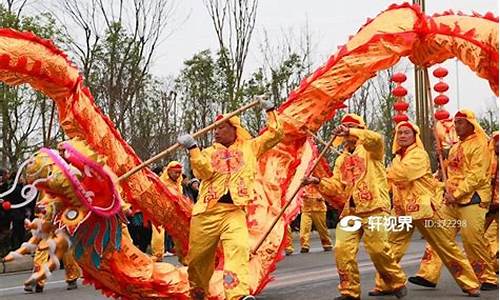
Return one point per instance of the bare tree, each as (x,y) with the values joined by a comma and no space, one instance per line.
(153,121)
(234,22)
(25,114)
(489,118)
(120,39)
(359,102)
(198,86)
(285,62)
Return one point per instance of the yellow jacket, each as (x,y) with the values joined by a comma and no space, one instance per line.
(412,184)
(468,170)
(361,176)
(312,201)
(494,182)
(174,187)
(232,169)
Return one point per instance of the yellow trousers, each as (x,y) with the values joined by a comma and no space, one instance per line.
(472,218)
(491,235)
(430,265)
(378,248)
(225,223)
(41,257)
(71,269)
(289,244)
(158,243)
(446,247)
(318,218)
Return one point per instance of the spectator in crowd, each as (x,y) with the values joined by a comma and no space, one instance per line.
(5,233)
(191,189)
(17,215)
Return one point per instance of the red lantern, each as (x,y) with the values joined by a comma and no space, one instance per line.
(441,100)
(401,105)
(399,91)
(441,115)
(441,87)
(398,77)
(440,72)
(400,118)
(6,205)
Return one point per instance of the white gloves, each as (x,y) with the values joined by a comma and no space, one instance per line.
(187,141)
(267,105)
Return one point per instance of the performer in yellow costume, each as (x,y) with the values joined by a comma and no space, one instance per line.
(227,173)
(467,198)
(172,178)
(414,191)
(42,226)
(359,173)
(313,212)
(491,225)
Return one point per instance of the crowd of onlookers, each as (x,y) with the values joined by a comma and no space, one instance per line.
(12,231)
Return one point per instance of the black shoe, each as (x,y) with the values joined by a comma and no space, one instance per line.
(327,249)
(72,285)
(489,286)
(39,288)
(421,281)
(28,288)
(304,250)
(401,292)
(346,297)
(249,297)
(472,293)
(378,293)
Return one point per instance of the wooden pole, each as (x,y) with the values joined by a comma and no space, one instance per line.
(320,140)
(283,209)
(423,102)
(196,134)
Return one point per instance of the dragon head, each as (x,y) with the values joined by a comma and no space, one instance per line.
(77,179)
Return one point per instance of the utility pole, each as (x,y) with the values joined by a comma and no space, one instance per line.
(423,97)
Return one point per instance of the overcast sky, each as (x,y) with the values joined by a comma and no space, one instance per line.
(330,23)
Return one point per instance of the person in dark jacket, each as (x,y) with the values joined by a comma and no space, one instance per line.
(17,215)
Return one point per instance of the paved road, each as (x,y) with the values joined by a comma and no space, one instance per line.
(298,277)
